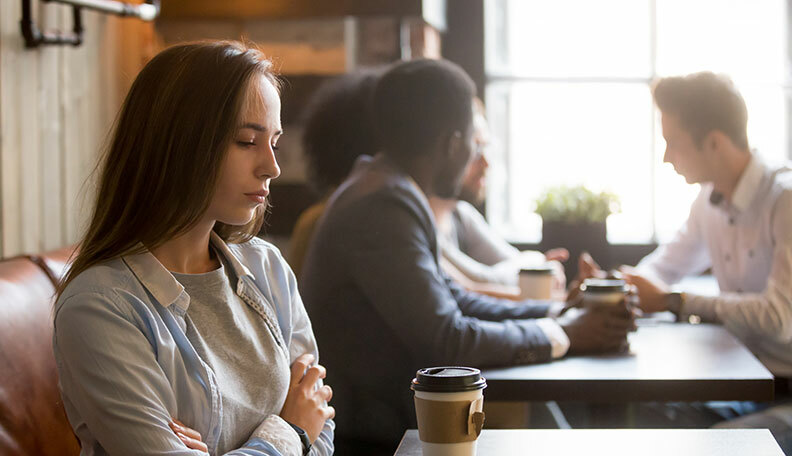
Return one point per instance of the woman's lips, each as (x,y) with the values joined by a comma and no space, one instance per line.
(258,197)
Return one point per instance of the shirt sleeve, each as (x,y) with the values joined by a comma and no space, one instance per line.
(303,341)
(559,341)
(686,254)
(480,241)
(392,263)
(475,271)
(109,373)
(767,314)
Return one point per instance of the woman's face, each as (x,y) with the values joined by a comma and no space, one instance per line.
(250,161)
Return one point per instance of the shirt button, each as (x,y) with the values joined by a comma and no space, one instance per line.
(728,257)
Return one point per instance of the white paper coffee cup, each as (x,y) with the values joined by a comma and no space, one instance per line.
(536,282)
(448,405)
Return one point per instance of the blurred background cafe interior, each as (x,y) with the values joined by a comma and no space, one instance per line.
(572,182)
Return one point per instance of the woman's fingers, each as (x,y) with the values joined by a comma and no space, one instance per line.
(192,433)
(298,368)
(325,392)
(313,375)
(192,443)
(190,437)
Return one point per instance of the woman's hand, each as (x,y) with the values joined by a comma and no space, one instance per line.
(189,437)
(305,405)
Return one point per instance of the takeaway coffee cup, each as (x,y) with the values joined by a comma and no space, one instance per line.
(536,282)
(448,405)
(603,292)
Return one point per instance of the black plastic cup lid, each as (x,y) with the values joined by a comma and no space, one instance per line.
(603,285)
(448,379)
(538,270)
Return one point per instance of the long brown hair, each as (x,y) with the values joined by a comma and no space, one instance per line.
(158,175)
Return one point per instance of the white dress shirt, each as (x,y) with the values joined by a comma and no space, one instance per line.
(476,250)
(748,244)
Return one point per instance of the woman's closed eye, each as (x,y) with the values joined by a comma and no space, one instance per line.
(251,143)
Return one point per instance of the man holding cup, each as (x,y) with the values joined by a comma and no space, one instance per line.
(380,305)
(740,226)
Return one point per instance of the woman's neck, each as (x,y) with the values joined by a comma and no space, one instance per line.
(189,253)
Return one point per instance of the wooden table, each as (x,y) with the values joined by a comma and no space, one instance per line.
(667,362)
(622,442)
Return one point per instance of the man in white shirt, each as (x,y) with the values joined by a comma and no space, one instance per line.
(740,226)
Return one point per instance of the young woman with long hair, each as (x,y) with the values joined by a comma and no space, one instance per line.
(177,331)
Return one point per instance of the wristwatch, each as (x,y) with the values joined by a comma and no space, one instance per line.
(306,442)
(675,301)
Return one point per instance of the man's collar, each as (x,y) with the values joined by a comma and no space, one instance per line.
(161,283)
(748,184)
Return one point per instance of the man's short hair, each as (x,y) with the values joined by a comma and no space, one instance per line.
(417,102)
(704,102)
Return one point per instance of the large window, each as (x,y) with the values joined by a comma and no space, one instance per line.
(569,101)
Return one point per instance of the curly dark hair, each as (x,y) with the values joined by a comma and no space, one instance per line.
(339,128)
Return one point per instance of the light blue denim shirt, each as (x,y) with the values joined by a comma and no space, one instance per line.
(127,369)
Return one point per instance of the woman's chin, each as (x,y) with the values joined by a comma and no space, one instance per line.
(238,219)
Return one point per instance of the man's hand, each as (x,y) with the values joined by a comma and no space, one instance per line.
(554,259)
(558,254)
(652,292)
(597,330)
(305,404)
(189,437)
(587,269)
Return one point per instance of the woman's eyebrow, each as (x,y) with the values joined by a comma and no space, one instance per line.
(254,126)
(259,128)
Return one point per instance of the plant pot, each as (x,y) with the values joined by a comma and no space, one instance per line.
(581,237)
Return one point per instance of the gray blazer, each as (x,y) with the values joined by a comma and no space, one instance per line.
(381,307)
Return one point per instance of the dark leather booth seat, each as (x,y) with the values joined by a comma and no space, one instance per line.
(32,419)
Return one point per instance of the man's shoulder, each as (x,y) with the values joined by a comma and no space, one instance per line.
(781,177)
(373,192)
(468,213)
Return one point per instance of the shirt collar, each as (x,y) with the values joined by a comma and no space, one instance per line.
(161,283)
(748,185)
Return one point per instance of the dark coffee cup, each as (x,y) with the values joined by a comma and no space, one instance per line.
(603,292)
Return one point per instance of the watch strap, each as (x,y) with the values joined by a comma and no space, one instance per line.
(306,442)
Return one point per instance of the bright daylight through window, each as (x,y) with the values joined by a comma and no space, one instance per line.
(569,101)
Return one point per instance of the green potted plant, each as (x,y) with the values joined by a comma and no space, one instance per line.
(574,218)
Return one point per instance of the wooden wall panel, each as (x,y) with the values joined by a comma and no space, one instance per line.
(57,104)
(50,145)
(20,150)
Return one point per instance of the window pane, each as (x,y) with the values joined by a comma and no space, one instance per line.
(672,195)
(596,134)
(569,38)
(767,122)
(745,39)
